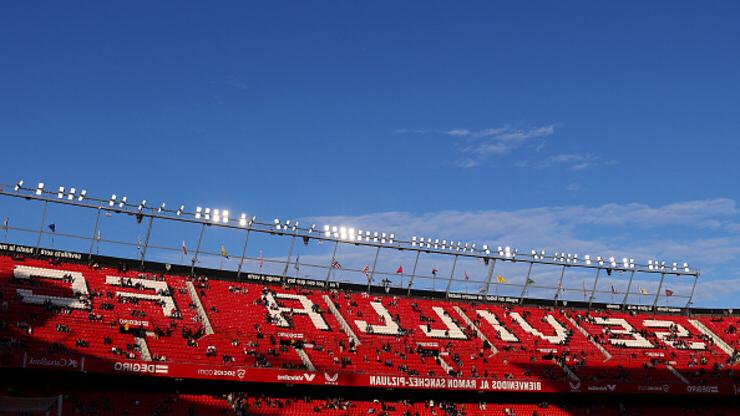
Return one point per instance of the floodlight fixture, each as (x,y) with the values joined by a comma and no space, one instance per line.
(327,231)
(243,220)
(18,185)
(486,249)
(198,212)
(180,210)
(40,188)
(225,216)
(276,221)
(112,200)
(312,228)
(71,194)
(123,202)
(142,205)
(587,259)
(60,194)
(216,215)
(161,207)
(82,195)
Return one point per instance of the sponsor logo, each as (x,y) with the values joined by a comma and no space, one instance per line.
(58,362)
(141,368)
(575,385)
(217,372)
(133,322)
(330,378)
(702,389)
(659,389)
(298,377)
(607,387)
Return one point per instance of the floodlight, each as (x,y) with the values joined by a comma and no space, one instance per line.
(413,241)
(351,233)
(82,195)
(207,213)
(216,215)
(587,259)
(391,238)
(142,204)
(312,228)
(225,216)
(112,200)
(686,267)
(40,188)
(60,194)
(243,220)
(276,221)
(161,207)
(123,202)
(327,231)
(675,266)
(71,194)
(18,185)
(180,210)
(198,212)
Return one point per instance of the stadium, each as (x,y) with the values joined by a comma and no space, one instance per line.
(84,332)
(417,208)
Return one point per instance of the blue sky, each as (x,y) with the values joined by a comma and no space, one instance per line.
(596,127)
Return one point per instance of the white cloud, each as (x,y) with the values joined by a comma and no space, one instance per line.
(699,232)
(573,161)
(482,144)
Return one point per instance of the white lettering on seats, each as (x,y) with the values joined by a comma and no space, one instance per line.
(276,311)
(680,332)
(453,331)
(560,336)
(79,299)
(502,332)
(637,341)
(168,304)
(389,327)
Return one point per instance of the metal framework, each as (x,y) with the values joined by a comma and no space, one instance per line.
(345,235)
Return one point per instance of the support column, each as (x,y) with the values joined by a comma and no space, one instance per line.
(244,252)
(372,272)
(660,287)
(593,290)
(413,273)
(290,254)
(95,232)
(333,258)
(691,296)
(452,274)
(560,286)
(197,249)
(146,239)
(491,268)
(41,227)
(629,287)
(526,284)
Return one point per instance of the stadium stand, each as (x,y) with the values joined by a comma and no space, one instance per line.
(66,316)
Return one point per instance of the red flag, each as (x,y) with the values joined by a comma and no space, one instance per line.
(366,271)
(434,271)
(399,270)
(668,292)
(184,248)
